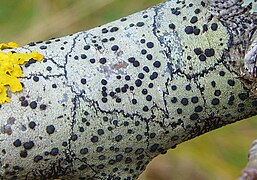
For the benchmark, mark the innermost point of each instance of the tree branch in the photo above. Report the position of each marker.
(104, 102)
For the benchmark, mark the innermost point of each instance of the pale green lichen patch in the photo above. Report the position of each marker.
(10, 69)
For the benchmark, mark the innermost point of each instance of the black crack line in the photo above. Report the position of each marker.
(54, 62)
(167, 49)
(46, 77)
(67, 55)
(89, 165)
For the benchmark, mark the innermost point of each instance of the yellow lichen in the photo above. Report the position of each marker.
(10, 69)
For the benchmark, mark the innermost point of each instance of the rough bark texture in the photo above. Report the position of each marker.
(104, 102)
(250, 171)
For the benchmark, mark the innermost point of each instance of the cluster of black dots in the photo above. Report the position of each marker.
(143, 80)
(124, 155)
(130, 83)
(33, 104)
(28, 145)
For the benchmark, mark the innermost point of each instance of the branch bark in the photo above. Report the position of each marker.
(104, 102)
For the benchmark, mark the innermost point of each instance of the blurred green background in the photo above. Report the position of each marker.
(220, 154)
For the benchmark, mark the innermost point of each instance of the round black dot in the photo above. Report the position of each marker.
(102, 157)
(141, 76)
(94, 139)
(194, 116)
(65, 144)
(54, 86)
(54, 151)
(87, 47)
(198, 108)
(173, 87)
(139, 137)
(197, 11)
(84, 151)
(118, 138)
(23, 153)
(102, 60)
(131, 59)
(42, 107)
(146, 69)
(127, 77)
(188, 87)
(92, 60)
(150, 44)
(209, 52)
(154, 147)
(157, 64)
(138, 82)
(205, 28)
(197, 31)
(139, 151)
(33, 105)
(143, 51)
(179, 111)
(24, 103)
(144, 91)
(150, 85)
(115, 48)
(83, 56)
(37, 158)
(136, 63)
(128, 149)
(198, 51)
(148, 97)
(118, 157)
(49, 68)
(149, 56)
(100, 131)
(81, 129)
(152, 135)
(231, 82)
(134, 101)
(114, 29)
(222, 73)
(202, 57)
(184, 101)
(17, 143)
(28, 145)
(217, 93)
(140, 24)
(83, 81)
(154, 75)
(74, 137)
(104, 100)
(215, 101)
(194, 99)
(43, 47)
(172, 26)
(189, 30)
(194, 19)
(99, 149)
(50, 129)
(145, 108)
(174, 99)
(32, 124)
(103, 82)
(35, 78)
(243, 96)
(214, 26)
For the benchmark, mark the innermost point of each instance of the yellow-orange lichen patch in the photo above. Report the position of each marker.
(10, 69)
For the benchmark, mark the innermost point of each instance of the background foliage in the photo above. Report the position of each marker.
(218, 155)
